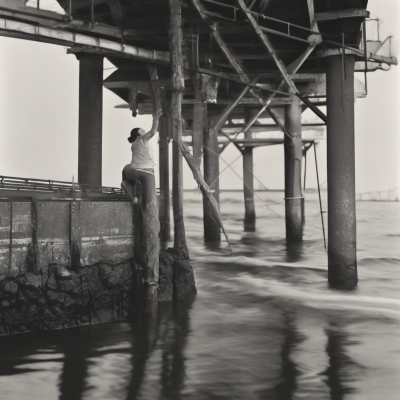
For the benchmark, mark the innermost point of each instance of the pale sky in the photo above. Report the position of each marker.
(39, 123)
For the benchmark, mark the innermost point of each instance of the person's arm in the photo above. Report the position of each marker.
(148, 135)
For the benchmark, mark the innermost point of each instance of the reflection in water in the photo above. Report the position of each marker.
(286, 388)
(167, 330)
(173, 359)
(256, 330)
(144, 341)
(75, 366)
(342, 370)
(294, 252)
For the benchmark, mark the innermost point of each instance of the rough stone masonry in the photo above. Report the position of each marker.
(52, 284)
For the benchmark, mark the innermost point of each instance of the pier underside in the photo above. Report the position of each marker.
(226, 73)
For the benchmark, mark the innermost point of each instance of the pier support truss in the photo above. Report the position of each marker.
(271, 59)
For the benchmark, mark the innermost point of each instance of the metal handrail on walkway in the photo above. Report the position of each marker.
(48, 185)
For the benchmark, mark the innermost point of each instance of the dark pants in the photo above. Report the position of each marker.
(148, 245)
(147, 182)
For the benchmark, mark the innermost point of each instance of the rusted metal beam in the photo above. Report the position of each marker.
(236, 64)
(281, 66)
(62, 37)
(205, 189)
(313, 39)
(229, 108)
(13, 9)
(349, 13)
(116, 11)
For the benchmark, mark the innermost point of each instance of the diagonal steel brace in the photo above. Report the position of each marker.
(287, 72)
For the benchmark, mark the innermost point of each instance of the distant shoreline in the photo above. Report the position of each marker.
(256, 190)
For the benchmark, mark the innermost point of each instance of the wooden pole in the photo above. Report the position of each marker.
(164, 211)
(159, 101)
(178, 85)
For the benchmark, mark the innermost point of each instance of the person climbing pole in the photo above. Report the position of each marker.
(141, 170)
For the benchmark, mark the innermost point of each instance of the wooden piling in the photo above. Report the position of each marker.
(248, 178)
(164, 204)
(178, 85)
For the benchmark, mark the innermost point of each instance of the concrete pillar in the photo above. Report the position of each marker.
(212, 229)
(90, 118)
(248, 178)
(164, 206)
(293, 160)
(342, 260)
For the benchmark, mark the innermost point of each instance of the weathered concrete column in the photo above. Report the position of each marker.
(293, 159)
(90, 118)
(342, 259)
(164, 206)
(212, 229)
(248, 178)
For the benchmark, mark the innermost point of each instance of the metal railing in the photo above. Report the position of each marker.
(48, 185)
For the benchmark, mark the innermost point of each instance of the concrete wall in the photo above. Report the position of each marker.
(65, 263)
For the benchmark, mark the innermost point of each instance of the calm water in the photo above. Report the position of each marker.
(264, 325)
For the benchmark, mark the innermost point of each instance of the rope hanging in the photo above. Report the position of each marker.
(252, 191)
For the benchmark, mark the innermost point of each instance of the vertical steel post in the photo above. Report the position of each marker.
(342, 259)
(212, 229)
(11, 234)
(199, 120)
(248, 178)
(34, 226)
(164, 211)
(303, 208)
(92, 11)
(90, 119)
(293, 160)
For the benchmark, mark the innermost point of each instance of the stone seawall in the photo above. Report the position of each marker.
(70, 263)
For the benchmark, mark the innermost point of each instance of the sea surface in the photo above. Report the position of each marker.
(265, 324)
